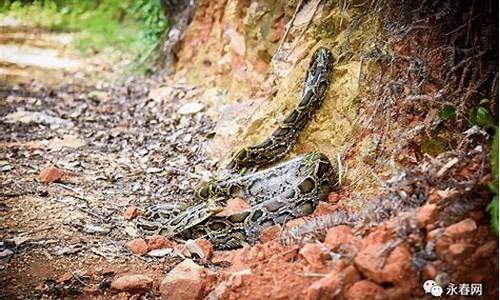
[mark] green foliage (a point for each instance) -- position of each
(447, 112)
(134, 26)
(152, 18)
(480, 115)
(493, 206)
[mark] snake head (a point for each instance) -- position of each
(319, 73)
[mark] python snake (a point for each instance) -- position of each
(276, 194)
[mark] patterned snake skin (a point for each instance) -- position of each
(276, 194)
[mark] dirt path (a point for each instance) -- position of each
(119, 145)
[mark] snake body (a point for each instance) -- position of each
(276, 194)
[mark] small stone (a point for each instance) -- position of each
(159, 242)
(161, 252)
(138, 246)
(202, 247)
(338, 236)
(190, 108)
(426, 215)
(186, 281)
(187, 138)
(270, 233)
(315, 255)
(131, 212)
(66, 276)
(133, 283)
(461, 229)
(365, 290)
(397, 263)
(50, 174)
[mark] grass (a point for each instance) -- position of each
(131, 26)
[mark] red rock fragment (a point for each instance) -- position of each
(50, 174)
(338, 236)
(131, 212)
(202, 247)
(426, 215)
(315, 255)
(66, 276)
(396, 266)
(461, 229)
(187, 281)
(159, 242)
(138, 246)
(132, 283)
(365, 290)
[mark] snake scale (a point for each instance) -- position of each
(276, 193)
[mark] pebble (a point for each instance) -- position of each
(50, 174)
(132, 283)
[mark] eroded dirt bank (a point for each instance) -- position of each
(411, 206)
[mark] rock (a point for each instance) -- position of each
(460, 249)
(233, 206)
(365, 290)
(426, 215)
(460, 229)
(190, 108)
(66, 276)
(202, 247)
(159, 242)
(132, 283)
(161, 93)
(270, 233)
(332, 284)
(315, 255)
(131, 212)
(138, 246)
(338, 236)
(187, 281)
(162, 252)
(378, 263)
(50, 174)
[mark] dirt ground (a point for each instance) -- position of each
(136, 142)
(117, 147)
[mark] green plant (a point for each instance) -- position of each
(493, 206)
(134, 27)
(480, 115)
